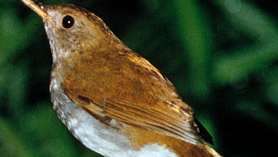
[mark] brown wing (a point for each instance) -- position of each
(126, 87)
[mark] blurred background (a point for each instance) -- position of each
(222, 56)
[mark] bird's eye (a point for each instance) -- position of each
(68, 21)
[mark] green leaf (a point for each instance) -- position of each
(195, 36)
(249, 18)
(239, 65)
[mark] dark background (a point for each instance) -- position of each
(222, 56)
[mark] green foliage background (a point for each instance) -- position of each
(222, 56)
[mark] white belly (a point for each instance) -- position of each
(95, 135)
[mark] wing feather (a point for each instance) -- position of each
(130, 90)
(149, 118)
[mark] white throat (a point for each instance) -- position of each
(95, 135)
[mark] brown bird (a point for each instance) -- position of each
(111, 99)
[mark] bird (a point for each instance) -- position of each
(111, 99)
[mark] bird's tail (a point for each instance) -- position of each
(211, 151)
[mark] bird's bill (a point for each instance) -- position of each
(38, 8)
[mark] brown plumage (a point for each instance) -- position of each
(116, 83)
(109, 81)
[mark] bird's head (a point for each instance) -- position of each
(71, 29)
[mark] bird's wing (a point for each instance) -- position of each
(131, 90)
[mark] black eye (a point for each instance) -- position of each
(68, 21)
